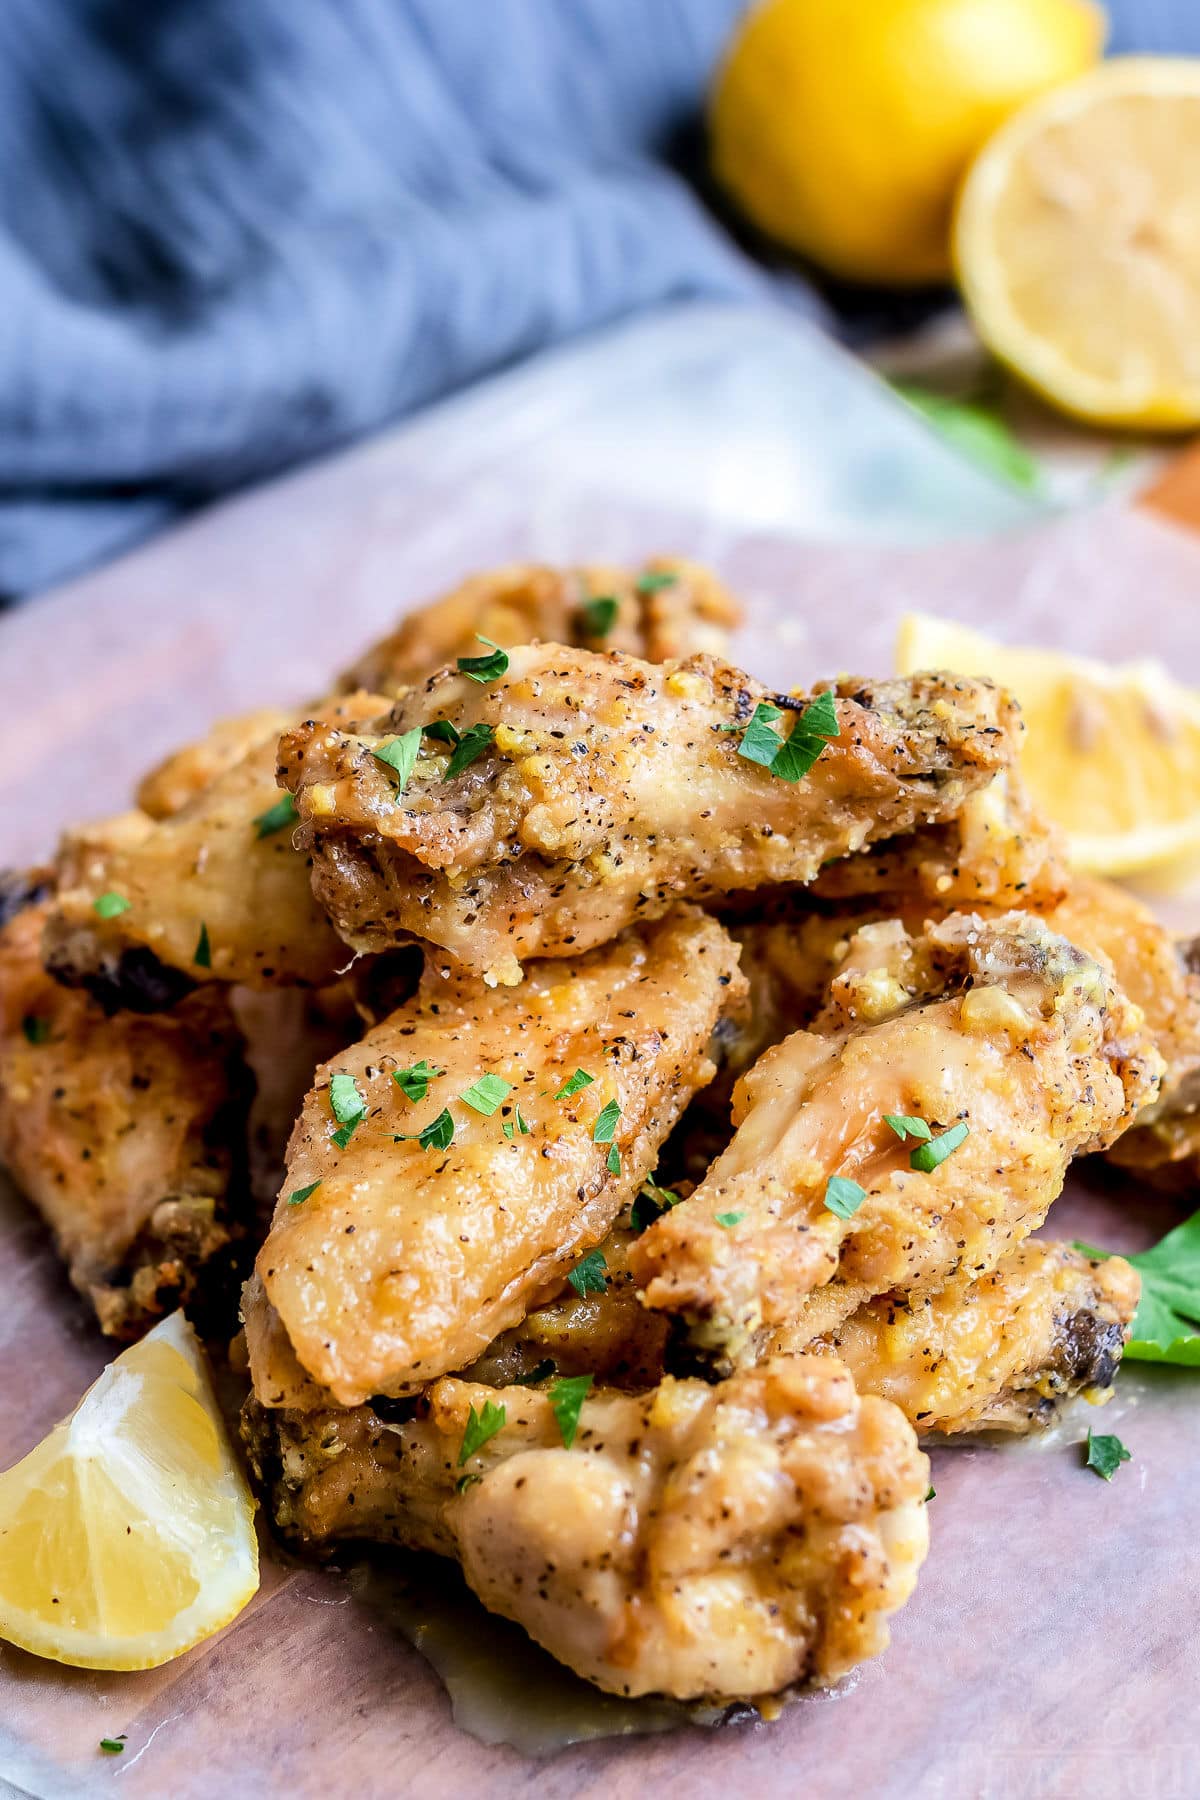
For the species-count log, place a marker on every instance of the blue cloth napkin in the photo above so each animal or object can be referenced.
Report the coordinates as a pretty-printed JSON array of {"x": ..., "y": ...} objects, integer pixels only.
[{"x": 235, "y": 233}]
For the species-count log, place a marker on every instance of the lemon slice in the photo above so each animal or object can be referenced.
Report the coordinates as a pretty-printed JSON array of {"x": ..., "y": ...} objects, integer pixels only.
[
  {"x": 1111, "y": 753},
  {"x": 1077, "y": 243},
  {"x": 127, "y": 1535}
]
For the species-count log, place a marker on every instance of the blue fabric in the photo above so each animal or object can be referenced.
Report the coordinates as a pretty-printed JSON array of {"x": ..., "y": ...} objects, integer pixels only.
[{"x": 234, "y": 233}]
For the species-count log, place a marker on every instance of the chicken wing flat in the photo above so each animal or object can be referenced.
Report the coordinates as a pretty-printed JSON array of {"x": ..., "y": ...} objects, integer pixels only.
[
  {"x": 706, "y": 1542},
  {"x": 667, "y": 609},
  {"x": 217, "y": 892},
  {"x": 439, "y": 1204},
  {"x": 996, "y": 1031},
  {"x": 603, "y": 788},
  {"x": 1000, "y": 1352},
  {"x": 123, "y": 1132},
  {"x": 176, "y": 781}
]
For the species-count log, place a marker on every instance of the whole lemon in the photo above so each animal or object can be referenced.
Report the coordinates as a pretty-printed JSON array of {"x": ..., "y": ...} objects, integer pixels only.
[{"x": 842, "y": 127}]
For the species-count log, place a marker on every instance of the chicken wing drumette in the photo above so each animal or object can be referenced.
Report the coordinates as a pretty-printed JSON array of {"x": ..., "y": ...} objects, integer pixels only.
[
  {"x": 599, "y": 788},
  {"x": 706, "y": 1542},
  {"x": 997, "y": 1031}
]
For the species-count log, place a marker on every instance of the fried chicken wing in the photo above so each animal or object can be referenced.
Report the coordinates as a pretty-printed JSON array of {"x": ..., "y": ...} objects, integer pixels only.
[
  {"x": 605, "y": 787},
  {"x": 996, "y": 1025},
  {"x": 176, "y": 781},
  {"x": 409, "y": 1257},
  {"x": 1000, "y": 1352},
  {"x": 204, "y": 895},
  {"x": 668, "y": 609},
  {"x": 124, "y": 1132},
  {"x": 707, "y": 1542}
]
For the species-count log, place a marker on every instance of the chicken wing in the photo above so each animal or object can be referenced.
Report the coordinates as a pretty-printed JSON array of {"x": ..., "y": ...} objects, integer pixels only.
[
  {"x": 124, "y": 1132},
  {"x": 603, "y": 788},
  {"x": 998, "y": 1026},
  {"x": 667, "y": 609},
  {"x": 439, "y": 1206},
  {"x": 176, "y": 781},
  {"x": 707, "y": 1542}
]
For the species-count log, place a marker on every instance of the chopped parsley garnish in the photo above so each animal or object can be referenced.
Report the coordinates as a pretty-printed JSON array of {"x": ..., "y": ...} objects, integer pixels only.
[
  {"x": 566, "y": 1398},
  {"x": 341, "y": 1137},
  {"x": 485, "y": 668},
  {"x": 486, "y": 1094},
  {"x": 926, "y": 1157},
  {"x": 438, "y": 1136},
  {"x": 540, "y": 1372},
  {"x": 1167, "y": 1326},
  {"x": 651, "y": 1203},
  {"x": 348, "y": 1107},
  {"x": 612, "y": 1161},
  {"x": 303, "y": 1194},
  {"x": 414, "y": 1081},
  {"x": 761, "y": 743},
  {"x": 400, "y": 755},
  {"x": 580, "y": 1079},
  {"x": 443, "y": 731},
  {"x": 276, "y": 817},
  {"x": 36, "y": 1030},
  {"x": 110, "y": 905},
  {"x": 843, "y": 1197},
  {"x": 466, "y": 1481},
  {"x": 604, "y": 1130},
  {"x": 653, "y": 579},
  {"x": 1105, "y": 1455},
  {"x": 600, "y": 614},
  {"x": 471, "y": 744},
  {"x": 793, "y": 756},
  {"x": 480, "y": 1427},
  {"x": 518, "y": 1123},
  {"x": 931, "y": 1495},
  {"x": 906, "y": 1126},
  {"x": 203, "y": 955},
  {"x": 588, "y": 1277},
  {"x": 730, "y": 1219},
  {"x": 113, "y": 1746}
]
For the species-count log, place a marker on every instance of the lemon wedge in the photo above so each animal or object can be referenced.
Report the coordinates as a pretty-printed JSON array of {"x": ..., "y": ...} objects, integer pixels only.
[
  {"x": 127, "y": 1535},
  {"x": 1077, "y": 243},
  {"x": 1111, "y": 753}
]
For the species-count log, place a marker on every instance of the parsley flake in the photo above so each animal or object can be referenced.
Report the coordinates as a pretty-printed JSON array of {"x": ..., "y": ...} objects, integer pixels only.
[
  {"x": 843, "y": 1197},
  {"x": 1167, "y": 1325},
  {"x": 341, "y": 1137},
  {"x": 612, "y": 1161},
  {"x": 113, "y": 1746},
  {"x": 931, "y": 1495},
  {"x": 438, "y": 1136},
  {"x": 203, "y": 953},
  {"x": 414, "y": 1081},
  {"x": 906, "y": 1126},
  {"x": 443, "y": 731},
  {"x": 276, "y": 817},
  {"x": 572, "y": 1085},
  {"x": 470, "y": 745},
  {"x": 400, "y": 755},
  {"x": 348, "y": 1108},
  {"x": 1105, "y": 1455},
  {"x": 566, "y": 1399},
  {"x": 110, "y": 905},
  {"x": 793, "y": 756},
  {"x": 604, "y": 1130},
  {"x": 730, "y": 1219},
  {"x": 926, "y": 1157},
  {"x": 303, "y": 1194},
  {"x": 484, "y": 668},
  {"x": 480, "y": 1427},
  {"x": 588, "y": 1276},
  {"x": 485, "y": 1095},
  {"x": 466, "y": 1481},
  {"x": 651, "y": 580},
  {"x": 36, "y": 1030},
  {"x": 651, "y": 1203},
  {"x": 600, "y": 614},
  {"x": 519, "y": 1123}
]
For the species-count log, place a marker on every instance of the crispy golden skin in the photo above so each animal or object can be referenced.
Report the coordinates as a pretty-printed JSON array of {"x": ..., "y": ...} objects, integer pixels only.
[
  {"x": 124, "y": 1132},
  {"x": 176, "y": 781},
  {"x": 608, "y": 788},
  {"x": 667, "y": 609},
  {"x": 707, "y": 1542},
  {"x": 406, "y": 1261},
  {"x": 998, "y": 1024},
  {"x": 204, "y": 866},
  {"x": 998, "y": 1352}
]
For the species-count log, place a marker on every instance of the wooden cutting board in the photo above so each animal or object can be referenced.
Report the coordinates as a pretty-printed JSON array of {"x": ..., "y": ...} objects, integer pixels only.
[{"x": 1053, "y": 1646}]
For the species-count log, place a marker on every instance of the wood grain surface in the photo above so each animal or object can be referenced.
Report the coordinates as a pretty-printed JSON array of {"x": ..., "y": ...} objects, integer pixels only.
[{"x": 1053, "y": 1646}]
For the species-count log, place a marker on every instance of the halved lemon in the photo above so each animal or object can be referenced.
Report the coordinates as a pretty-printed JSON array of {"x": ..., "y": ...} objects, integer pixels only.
[
  {"x": 127, "y": 1535},
  {"x": 1077, "y": 243},
  {"x": 1112, "y": 753}
]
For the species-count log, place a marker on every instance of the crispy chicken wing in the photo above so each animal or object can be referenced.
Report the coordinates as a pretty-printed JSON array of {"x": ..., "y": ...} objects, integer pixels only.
[
  {"x": 707, "y": 1542},
  {"x": 998, "y": 1025},
  {"x": 605, "y": 787},
  {"x": 176, "y": 781},
  {"x": 669, "y": 608},
  {"x": 407, "y": 1258},
  {"x": 124, "y": 1132}
]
